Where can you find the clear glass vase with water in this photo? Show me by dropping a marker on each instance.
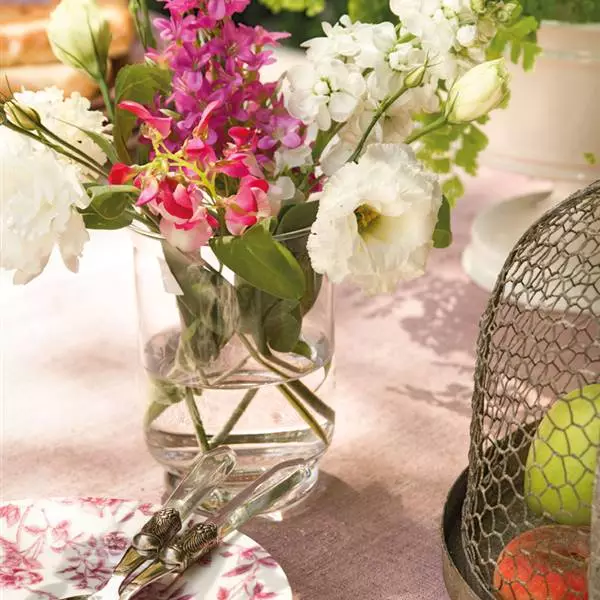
(227, 363)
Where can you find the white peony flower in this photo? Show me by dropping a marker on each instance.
(63, 116)
(38, 193)
(376, 220)
(324, 92)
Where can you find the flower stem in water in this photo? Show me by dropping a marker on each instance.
(236, 415)
(190, 402)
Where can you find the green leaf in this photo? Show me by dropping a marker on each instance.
(282, 325)
(303, 349)
(590, 158)
(208, 308)
(261, 261)
(453, 189)
(310, 7)
(107, 210)
(442, 234)
(93, 220)
(138, 83)
(370, 11)
(297, 217)
(104, 144)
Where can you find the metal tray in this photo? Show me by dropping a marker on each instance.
(461, 585)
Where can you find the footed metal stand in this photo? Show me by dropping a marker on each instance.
(459, 583)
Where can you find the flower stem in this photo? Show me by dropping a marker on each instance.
(107, 99)
(304, 414)
(301, 390)
(236, 415)
(190, 402)
(45, 142)
(385, 105)
(425, 130)
(73, 148)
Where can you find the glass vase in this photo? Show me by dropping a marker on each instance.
(227, 363)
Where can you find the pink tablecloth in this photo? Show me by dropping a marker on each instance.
(71, 413)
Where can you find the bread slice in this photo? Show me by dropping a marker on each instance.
(38, 77)
(23, 38)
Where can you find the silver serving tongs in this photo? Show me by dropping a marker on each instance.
(200, 539)
(207, 472)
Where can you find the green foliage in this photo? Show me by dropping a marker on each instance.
(370, 11)
(105, 145)
(572, 11)
(590, 158)
(207, 306)
(520, 37)
(297, 217)
(310, 7)
(282, 325)
(442, 234)
(138, 83)
(262, 261)
(108, 208)
(449, 147)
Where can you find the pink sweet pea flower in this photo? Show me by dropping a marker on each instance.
(120, 173)
(161, 124)
(250, 205)
(149, 187)
(186, 222)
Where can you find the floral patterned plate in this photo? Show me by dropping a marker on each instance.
(55, 548)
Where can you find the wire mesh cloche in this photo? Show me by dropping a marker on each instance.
(530, 525)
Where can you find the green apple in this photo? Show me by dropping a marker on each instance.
(561, 465)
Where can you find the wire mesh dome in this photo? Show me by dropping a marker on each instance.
(529, 525)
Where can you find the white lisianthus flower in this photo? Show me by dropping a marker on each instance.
(80, 36)
(324, 92)
(376, 220)
(63, 116)
(478, 92)
(39, 194)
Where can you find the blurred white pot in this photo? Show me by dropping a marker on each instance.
(552, 121)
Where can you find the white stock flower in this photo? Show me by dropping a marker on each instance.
(292, 158)
(38, 195)
(63, 116)
(376, 220)
(324, 92)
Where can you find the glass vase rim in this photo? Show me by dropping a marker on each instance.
(281, 237)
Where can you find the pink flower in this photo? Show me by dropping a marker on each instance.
(115, 542)
(120, 173)
(19, 578)
(186, 222)
(249, 206)
(160, 124)
(282, 129)
(11, 513)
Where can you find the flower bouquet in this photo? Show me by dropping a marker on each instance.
(248, 199)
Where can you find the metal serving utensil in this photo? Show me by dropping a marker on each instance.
(207, 472)
(200, 539)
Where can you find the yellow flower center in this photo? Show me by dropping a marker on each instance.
(366, 218)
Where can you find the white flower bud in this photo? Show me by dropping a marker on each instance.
(415, 78)
(24, 117)
(478, 92)
(80, 36)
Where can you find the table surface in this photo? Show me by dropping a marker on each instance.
(71, 412)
